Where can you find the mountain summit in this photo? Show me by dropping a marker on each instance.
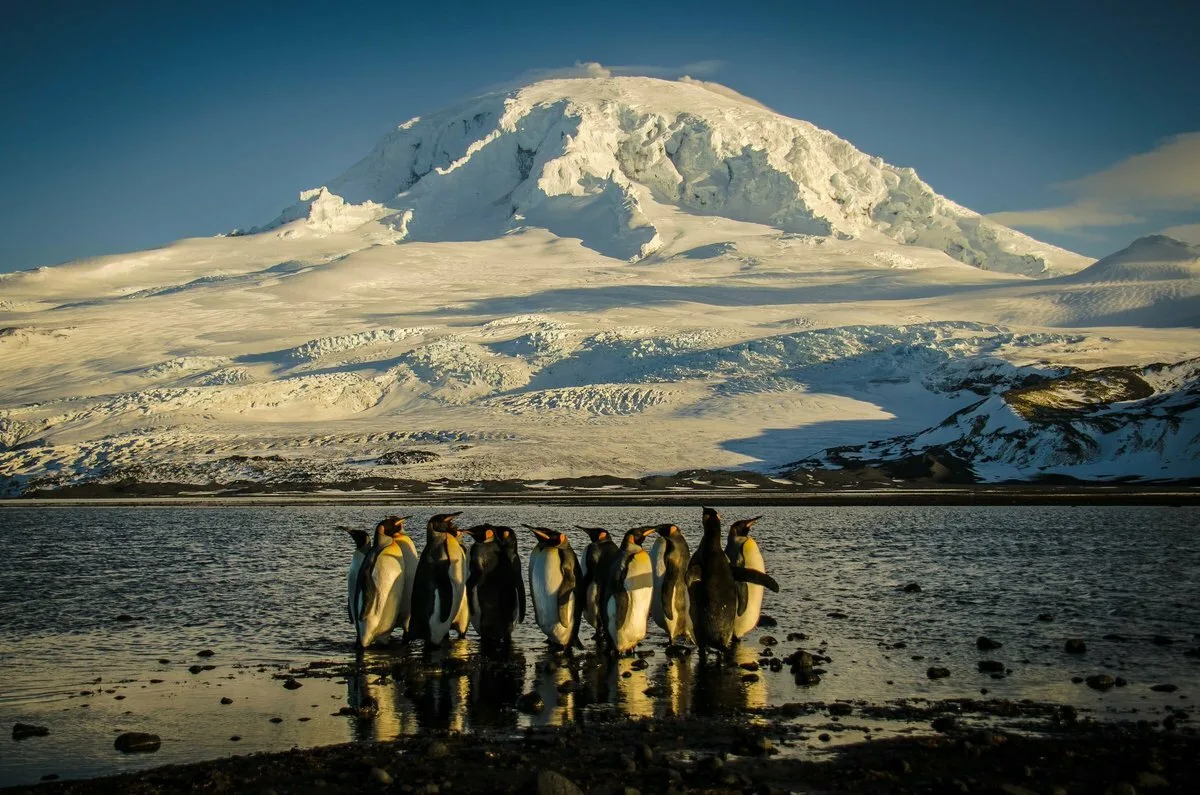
(610, 161)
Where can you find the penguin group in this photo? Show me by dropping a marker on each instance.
(710, 598)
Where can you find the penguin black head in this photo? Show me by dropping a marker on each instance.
(596, 534)
(547, 537)
(637, 535)
(741, 528)
(711, 519)
(394, 525)
(482, 533)
(444, 523)
(667, 529)
(361, 537)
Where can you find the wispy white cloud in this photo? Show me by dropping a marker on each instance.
(1165, 179)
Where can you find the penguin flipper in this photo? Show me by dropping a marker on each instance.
(693, 574)
(516, 566)
(445, 588)
(566, 590)
(742, 574)
(472, 582)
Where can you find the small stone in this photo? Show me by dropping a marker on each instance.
(1077, 680)
(1121, 788)
(912, 587)
(1120, 681)
(1164, 688)
(1045, 617)
(22, 730)
(1015, 789)
(749, 666)
(806, 677)
(944, 723)
(990, 666)
(749, 678)
(437, 750)
(1074, 646)
(767, 640)
(531, 703)
(935, 672)
(656, 691)
(1148, 780)
(1100, 682)
(551, 783)
(205, 653)
(645, 754)
(381, 775)
(639, 664)
(235, 738)
(124, 617)
(1115, 637)
(164, 661)
(767, 622)
(840, 708)
(1161, 640)
(137, 742)
(712, 764)
(226, 700)
(195, 669)
(776, 665)
(801, 636)
(291, 683)
(837, 614)
(824, 737)
(987, 644)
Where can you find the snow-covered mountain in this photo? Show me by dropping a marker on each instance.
(619, 276)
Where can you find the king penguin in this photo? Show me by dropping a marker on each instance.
(378, 589)
(491, 586)
(508, 541)
(743, 551)
(669, 560)
(553, 572)
(408, 550)
(628, 591)
(712, 588)
(596, 558)
(362, 545)
(438, 593)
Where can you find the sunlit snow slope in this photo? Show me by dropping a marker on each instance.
(596, 276)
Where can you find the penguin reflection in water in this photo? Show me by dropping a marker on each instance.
(553, 573)
(712, 588)
(743, 551)
(494, 590)
(670, 558)
(438, 593)
(628, 591)
(377, 586)
(594, 566)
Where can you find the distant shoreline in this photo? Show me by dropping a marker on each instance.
(952, 496)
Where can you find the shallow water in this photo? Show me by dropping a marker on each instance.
(264, 587)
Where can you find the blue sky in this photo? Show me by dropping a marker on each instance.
(131, 124)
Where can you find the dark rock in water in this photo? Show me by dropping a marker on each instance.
(806, 677)
(935, 672)
(776, 665)
(205, 653)
(1045, 617)
(1120, 681)
(291, 683)
(237, 738)
(381, 776)
(22, 730)
(1115, 637)
(1161, 640)
(800, 659)
(226, 700)
(656, 691)
(124, 617)
(195, 668)
(750, 678)
(912, 587)
(767, 622)
(50, 777)
(823, 737)
(990, 666)
(164, 661)
(137, 742)
(1077, 680)
(749, 666)
(840, 708)
(1164, 688)
(899, 645)
(1100, 682)
(1074, 646)
(437, 750)
(837, 614)
(987, 644)
(276, 719)
(944, 723)
(767, 640)
(801, 636)
(531, 703)
(639, 664)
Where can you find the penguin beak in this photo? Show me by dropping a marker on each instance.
(537, 531)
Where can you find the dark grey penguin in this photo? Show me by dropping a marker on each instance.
(712, 588)
(440, 584)
(508, 541)
(596, 558)
(491, 586)
(669, 559)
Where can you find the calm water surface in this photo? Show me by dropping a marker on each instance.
(264, 587)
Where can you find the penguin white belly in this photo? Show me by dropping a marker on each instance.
(375, 600)
(658, 565)
(639, 588)
(545, 578)
(458, 577)
(395, 593)
(408, 551)
(751, 558)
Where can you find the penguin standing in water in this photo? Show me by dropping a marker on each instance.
(596, 558)
(628, 591)
(508, 542)
(378, 588)
(712, 588)
(553, 573)
(669, 560)
(743, 552)
(439, 590)
(408, 550)
(492, 586)
(362, 546)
